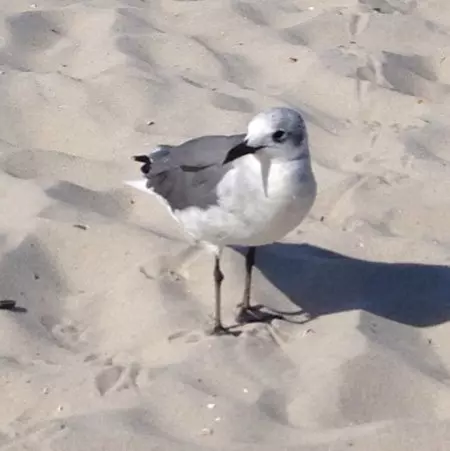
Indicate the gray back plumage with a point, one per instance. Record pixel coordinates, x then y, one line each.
187 175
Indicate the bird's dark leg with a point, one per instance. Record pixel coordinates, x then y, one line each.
218 278
244 315
249 263
248 313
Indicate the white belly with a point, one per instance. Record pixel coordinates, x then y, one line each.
252 212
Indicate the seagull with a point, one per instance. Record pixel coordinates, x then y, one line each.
241 190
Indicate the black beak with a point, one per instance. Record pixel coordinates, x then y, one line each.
239 151
145 168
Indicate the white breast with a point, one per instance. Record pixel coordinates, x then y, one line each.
258 204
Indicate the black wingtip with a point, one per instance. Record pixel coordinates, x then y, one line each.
145 159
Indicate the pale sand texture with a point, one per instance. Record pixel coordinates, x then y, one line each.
111 353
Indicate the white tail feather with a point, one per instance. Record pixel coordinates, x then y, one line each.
140 185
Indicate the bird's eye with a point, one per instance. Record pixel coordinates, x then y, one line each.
279 136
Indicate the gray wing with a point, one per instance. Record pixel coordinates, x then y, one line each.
187 175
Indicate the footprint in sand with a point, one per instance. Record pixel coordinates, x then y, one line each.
107 378
66 333
117 377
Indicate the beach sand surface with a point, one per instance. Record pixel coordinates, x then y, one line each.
107 349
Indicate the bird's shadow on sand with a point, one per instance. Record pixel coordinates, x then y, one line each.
322 282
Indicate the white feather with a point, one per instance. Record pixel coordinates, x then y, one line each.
140 185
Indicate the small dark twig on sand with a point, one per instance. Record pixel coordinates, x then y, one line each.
10 305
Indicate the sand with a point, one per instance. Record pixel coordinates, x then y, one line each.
107 347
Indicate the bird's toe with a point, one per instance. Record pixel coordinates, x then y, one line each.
219 330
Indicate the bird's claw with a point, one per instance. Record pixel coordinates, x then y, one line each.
219 330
